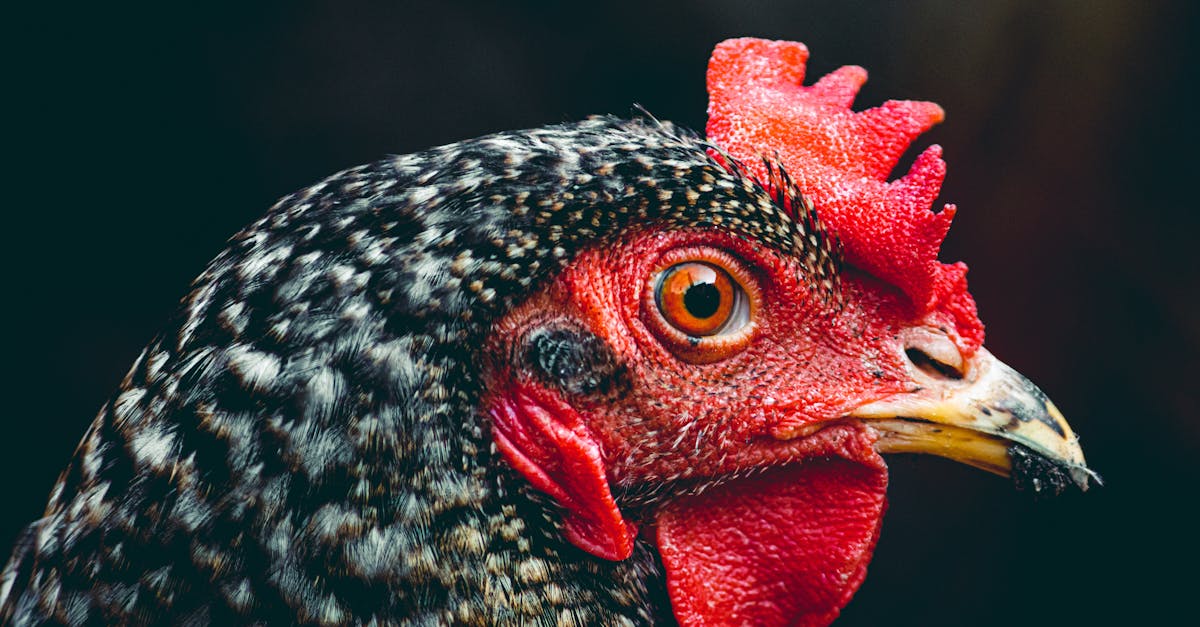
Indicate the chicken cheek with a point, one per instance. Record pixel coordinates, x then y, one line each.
546 440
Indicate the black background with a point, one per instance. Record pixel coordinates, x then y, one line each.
138 139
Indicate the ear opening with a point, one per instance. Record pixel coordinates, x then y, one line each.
544 439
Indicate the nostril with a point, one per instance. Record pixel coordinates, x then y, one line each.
931 351
931 366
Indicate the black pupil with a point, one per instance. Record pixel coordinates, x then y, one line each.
702 300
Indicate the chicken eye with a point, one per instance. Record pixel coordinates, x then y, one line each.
701 303
701 299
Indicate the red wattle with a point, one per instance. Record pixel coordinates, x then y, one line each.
786 547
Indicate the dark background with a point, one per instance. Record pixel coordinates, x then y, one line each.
138 139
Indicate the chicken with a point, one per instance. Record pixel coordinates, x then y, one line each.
600 373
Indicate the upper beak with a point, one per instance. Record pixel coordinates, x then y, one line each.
991 418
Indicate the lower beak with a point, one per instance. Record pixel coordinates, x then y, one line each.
992 418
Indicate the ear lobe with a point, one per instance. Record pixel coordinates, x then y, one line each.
545 440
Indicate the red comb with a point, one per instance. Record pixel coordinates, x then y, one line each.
840 160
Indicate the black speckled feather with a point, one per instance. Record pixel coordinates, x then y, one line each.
302 443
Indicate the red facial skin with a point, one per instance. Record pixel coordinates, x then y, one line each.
779 547
804 363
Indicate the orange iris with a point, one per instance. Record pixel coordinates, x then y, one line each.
696 298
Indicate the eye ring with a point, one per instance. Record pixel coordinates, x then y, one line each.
701 303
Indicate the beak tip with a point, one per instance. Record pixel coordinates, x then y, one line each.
1084 477
1039 475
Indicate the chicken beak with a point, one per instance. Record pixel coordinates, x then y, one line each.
991 418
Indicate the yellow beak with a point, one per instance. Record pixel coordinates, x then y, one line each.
991 418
